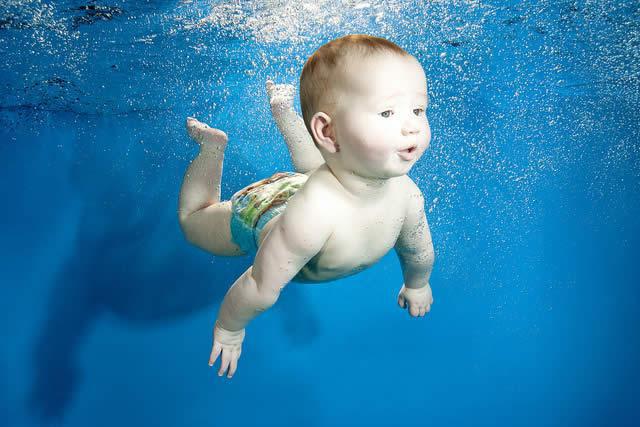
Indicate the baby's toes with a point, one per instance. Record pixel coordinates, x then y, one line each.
269 86
194 125
191 121
281 96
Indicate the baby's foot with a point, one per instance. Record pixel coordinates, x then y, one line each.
280 96
203 134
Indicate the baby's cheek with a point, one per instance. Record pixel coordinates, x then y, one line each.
378 153
427 136
373 148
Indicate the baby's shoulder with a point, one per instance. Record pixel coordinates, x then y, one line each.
408 186
408 195
320 186
309 205
318 195
317 192
406 189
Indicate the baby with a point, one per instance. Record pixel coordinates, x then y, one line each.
364 126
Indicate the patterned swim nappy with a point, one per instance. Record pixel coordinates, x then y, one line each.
253 206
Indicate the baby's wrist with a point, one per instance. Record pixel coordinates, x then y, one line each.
228 337
417 285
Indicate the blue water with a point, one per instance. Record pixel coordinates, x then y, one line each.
531 185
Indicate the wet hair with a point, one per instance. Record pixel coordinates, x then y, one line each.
325 65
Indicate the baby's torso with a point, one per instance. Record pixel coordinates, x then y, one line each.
363 234
360 239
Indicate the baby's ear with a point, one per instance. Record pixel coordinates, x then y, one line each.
323 132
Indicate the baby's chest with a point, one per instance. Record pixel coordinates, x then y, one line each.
361 240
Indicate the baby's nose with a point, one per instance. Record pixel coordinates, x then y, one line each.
410 127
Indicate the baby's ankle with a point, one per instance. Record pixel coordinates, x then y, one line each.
206 136
281 106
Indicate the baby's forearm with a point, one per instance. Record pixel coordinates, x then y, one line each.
417 272
243 302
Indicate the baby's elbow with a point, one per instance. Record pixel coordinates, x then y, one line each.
430 257
263 294
268 298
424 259
430 262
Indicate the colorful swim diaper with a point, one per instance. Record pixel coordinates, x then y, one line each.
253 206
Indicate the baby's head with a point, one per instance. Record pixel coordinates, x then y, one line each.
363 100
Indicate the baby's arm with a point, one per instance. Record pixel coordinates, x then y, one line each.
415 252
299 234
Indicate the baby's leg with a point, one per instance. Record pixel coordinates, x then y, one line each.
304 154
204 219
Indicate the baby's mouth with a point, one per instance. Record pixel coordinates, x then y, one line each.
409 150
408 153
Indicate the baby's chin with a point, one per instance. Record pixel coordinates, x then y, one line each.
399 168
394 172
394 168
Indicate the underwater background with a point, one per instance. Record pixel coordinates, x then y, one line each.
532 194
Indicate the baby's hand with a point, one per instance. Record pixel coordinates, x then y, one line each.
418 300
230 344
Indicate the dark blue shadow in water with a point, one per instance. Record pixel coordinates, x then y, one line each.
129 260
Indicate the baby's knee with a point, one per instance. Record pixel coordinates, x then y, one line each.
186 225
183 217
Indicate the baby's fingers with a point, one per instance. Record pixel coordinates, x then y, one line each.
215 352
224 362
414 310
401 301
233 366
424 310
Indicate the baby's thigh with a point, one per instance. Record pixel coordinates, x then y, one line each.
267 227
210 229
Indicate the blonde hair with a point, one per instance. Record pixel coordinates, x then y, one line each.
324 66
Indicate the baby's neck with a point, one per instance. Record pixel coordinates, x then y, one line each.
359 187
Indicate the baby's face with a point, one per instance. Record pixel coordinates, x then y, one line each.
380 121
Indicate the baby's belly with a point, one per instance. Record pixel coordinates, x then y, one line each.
311 274
319 269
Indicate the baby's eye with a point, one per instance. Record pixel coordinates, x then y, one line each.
419 111
386 113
